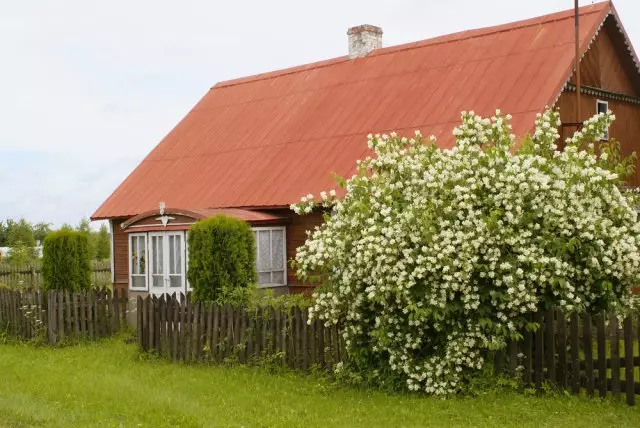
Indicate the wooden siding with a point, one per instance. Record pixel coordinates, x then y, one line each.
120 257
296 236
625 129
607 64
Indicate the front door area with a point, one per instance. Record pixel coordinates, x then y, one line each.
167 262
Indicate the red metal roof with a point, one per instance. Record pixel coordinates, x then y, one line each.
266 140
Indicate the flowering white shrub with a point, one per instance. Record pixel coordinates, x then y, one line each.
433 256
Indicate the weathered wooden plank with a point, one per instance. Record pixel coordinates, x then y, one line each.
215 332
527 351
539 350
258 325
151 308
111 325
188 328
304 317
175 340
277 328
51 318
588 353
228 345
162 326
67 315
124 307
336 344
104 315
575 357
142 322
628 361
195 337
555 373
313 356
615 356
208 332
283 336
96 320
83 314
116 310
236 331
76 320
602 357
512 352
183 328
293 339
60 313
222 337
242 340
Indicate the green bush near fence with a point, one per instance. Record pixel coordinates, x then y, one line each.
221 257
66 263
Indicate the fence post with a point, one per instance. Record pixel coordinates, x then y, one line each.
628 361
602 357
51 317
539 350
588 352
116 309
615 356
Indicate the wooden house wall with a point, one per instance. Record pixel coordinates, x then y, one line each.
295 235
607 64
120 256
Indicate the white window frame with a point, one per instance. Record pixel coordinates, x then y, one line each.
606 104
146 263
284 253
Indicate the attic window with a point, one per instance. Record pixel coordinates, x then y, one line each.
603 107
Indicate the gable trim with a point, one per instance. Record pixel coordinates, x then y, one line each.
603 93
572 69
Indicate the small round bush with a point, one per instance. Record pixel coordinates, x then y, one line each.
65 261
222 257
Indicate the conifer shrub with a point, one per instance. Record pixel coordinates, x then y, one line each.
222 257
66 261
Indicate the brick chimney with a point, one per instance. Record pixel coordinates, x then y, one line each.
363 39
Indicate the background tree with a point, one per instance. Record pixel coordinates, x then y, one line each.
102 243
20 232
41 230
4 231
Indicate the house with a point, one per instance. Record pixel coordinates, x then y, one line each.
254 145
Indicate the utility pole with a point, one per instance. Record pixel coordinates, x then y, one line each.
577 62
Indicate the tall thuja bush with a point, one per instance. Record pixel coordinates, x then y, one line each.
434 256
66 261
222 257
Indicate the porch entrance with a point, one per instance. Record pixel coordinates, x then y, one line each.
167 256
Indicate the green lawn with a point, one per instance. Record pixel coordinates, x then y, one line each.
108 384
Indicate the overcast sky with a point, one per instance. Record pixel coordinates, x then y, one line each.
88 88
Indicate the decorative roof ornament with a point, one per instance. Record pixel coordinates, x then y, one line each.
164 219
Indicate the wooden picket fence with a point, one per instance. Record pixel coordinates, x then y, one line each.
583 354
59 315
30 277
179 329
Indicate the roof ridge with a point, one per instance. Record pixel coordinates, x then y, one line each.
432 41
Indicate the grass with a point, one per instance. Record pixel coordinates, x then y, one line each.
109 384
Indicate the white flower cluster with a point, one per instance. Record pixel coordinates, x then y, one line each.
433 256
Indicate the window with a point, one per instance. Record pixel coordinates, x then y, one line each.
138 261
603 107
271 255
